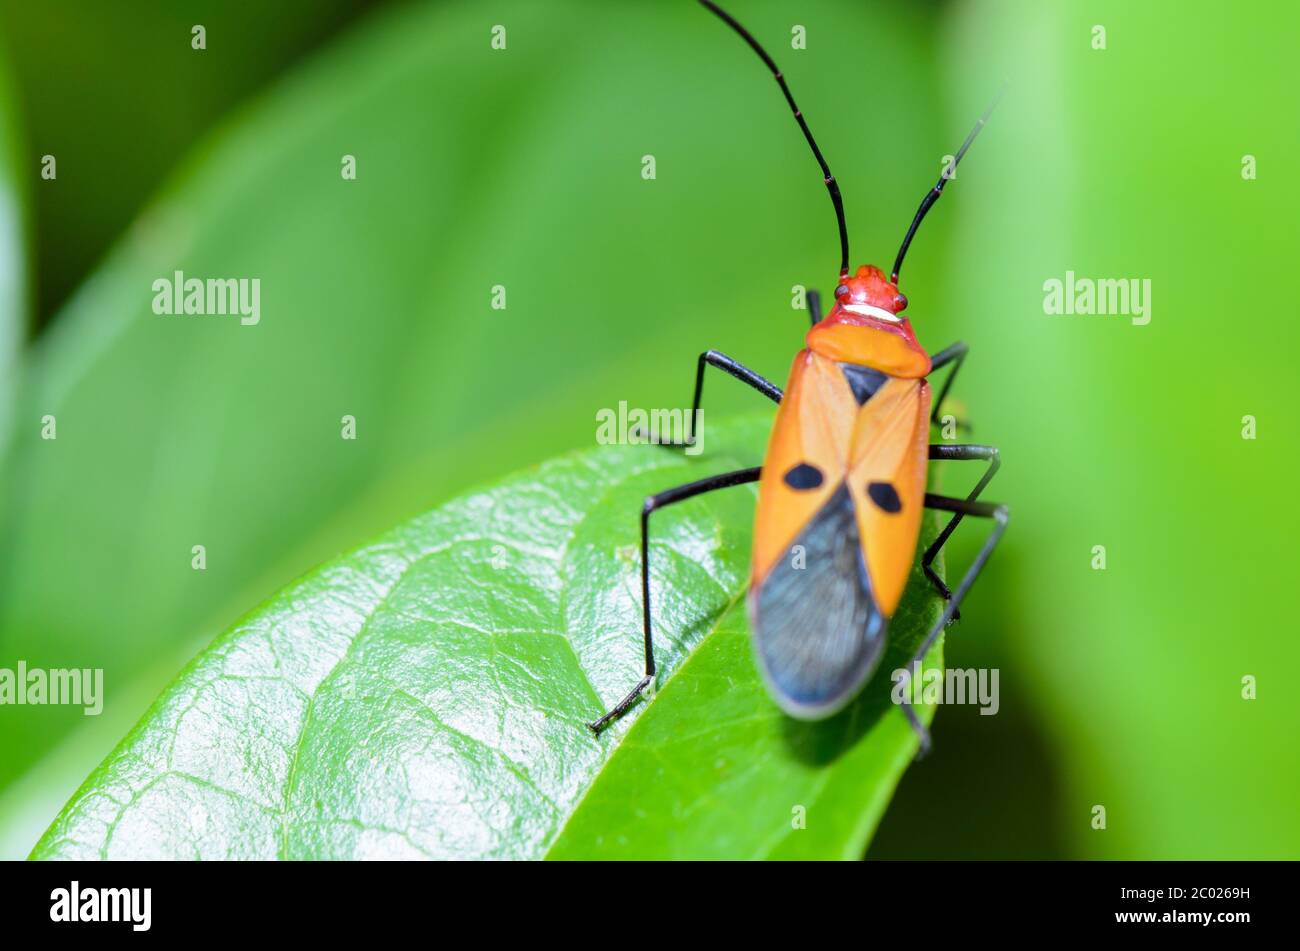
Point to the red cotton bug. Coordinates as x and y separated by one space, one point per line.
843 481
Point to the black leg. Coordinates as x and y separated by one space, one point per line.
653 502
954 355
730 366
999 514
987 454
814 308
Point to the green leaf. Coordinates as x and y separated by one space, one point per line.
427 695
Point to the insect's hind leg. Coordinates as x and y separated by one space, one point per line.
941 451
741 372
1001 517
654 503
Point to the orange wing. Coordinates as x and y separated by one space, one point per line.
890 452
814 429
879 449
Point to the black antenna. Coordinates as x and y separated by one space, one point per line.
831 184
933 194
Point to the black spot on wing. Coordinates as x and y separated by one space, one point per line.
863 381
885 496
803 476
817 630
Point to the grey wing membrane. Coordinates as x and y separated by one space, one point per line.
817 630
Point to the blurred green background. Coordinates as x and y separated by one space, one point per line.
522 167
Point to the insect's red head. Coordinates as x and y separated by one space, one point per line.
866 327
869 292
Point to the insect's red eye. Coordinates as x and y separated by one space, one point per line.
841 290
900 302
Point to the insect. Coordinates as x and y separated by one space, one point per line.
843 481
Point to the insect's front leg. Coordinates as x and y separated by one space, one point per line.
652 504
814 308
731 367
955 355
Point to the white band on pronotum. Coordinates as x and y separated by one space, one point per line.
866 310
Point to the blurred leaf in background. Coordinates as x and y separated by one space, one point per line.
116 93
13 240
1125 162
